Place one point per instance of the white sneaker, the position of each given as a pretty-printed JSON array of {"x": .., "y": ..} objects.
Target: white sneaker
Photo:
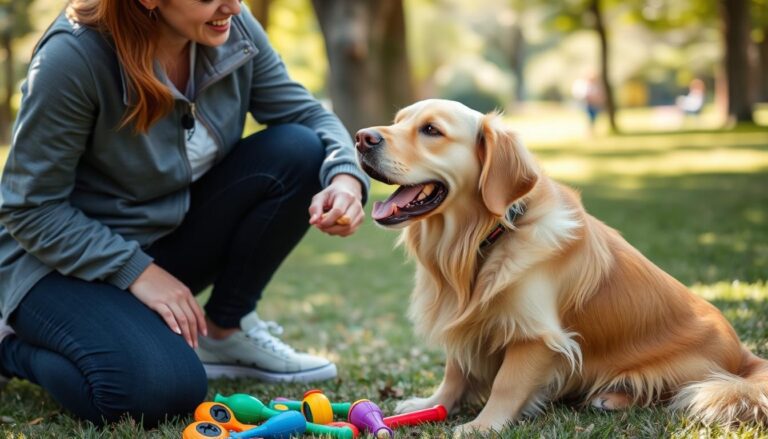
[
  {"x": 5, "y": 331},
  {"x": 255, "y": 352}
]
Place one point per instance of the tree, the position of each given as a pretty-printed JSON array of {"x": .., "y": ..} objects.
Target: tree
[
  {"x": 14, "y": 23},
  {"x": 369, "y": 70},
  {"x": 610, "y": 104},
  {"x": 736, "y": 29},
  {"x": 763, "y": 69},
  {"x": 760, "y": 19}
]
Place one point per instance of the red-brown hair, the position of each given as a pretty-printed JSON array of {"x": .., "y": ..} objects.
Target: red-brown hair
[{"x": 134, "y": 32}]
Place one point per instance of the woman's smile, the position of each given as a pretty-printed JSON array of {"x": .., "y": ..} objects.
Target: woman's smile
[{"x": 221, "y": 25}]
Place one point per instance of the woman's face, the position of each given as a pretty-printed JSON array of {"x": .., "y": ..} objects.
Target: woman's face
[{"x": 206, "y": 22}]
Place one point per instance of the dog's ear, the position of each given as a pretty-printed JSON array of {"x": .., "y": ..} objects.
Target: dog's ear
[{"x": 508, "y": 169}]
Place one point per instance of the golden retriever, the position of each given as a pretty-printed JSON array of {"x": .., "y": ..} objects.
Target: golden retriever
[{"x": 560, "y": 305}]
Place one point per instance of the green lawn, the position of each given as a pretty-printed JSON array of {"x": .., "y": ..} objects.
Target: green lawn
[{"x": 696, "y": 203}]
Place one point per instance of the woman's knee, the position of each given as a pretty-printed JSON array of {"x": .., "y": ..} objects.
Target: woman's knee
[
  {"x": 152, "y": 388},
  {"x": 296, "y": 147}
]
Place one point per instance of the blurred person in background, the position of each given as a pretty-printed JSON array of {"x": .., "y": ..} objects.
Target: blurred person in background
[
  {"x": 589, "y": 92},
  {"x": 692, "y": 103}
]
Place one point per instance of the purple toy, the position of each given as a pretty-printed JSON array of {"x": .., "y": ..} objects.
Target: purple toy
[{"x": 367, "y": 416}]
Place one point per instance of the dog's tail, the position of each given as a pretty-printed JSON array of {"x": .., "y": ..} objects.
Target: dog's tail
[{"x": 726, "y": 399}]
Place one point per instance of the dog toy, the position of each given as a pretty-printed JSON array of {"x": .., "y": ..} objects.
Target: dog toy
[
  {"x": 283, "y": 426},
  {"x": 249, "y": 409},
  {"x": 204, "y": 429},
  {"x": 220, "y": 414},
  {"x": 367, "y": 417},
  {"x": 432, "y": 414},
  {"x": 316, "y": 407},
  {"x": 352, "y": 427},
  {"x": 282, "y": 404}
]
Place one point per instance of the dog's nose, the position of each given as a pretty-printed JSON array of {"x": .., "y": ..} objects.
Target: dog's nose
[{"x": 366, "y": 139}]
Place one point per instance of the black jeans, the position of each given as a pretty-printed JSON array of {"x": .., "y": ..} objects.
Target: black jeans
[{"x": 101, "y": 353}]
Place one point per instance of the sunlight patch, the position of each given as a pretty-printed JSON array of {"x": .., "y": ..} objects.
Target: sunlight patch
[
  {"x": 732, "y": 290},
  {"x": 675, "y": 163},
  {"x": 708, "y": 238},
  {"x": 334, "y": 258}
]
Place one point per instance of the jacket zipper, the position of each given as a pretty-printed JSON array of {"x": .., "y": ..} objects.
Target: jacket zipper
[
  {"x": 183, "y": 137},
  {"x": 249, "y": 53},
  {"x": 192, "y": 106}
]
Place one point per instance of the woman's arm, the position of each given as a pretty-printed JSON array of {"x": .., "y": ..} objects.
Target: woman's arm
[
  {"x": 276, "y": 98},
  {"x": 57, "y": 113}
]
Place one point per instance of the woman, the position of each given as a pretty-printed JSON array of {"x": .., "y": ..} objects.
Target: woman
[{"x": 128, "y": 190}]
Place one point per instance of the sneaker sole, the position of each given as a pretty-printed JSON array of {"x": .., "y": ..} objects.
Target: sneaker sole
[{"x": 214, "y": 371}]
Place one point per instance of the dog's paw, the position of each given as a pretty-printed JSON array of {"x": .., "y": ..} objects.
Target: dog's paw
[
  {"x": 413, "y": 404},
  {"x": 612, "y": 401}
]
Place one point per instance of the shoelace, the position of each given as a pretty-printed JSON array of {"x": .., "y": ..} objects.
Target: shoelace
[{"x": 262, "y": 334}]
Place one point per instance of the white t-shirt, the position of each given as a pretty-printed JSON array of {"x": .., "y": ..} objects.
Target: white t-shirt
[{"x": 201, "y": 150}]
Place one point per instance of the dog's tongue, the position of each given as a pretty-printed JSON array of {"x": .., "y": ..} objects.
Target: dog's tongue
[{"x": 402, "y": 196}]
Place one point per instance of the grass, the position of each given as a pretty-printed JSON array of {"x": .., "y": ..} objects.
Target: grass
[{"x": 696, "y": 203}]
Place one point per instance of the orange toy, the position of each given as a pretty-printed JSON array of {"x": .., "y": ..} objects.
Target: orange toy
[
  {"x": 220, "y": 414},
  {"x": 207, "y": 430}
]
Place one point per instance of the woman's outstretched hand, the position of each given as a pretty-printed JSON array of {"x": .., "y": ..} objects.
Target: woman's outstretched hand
[
  {"x": 170, "y": 298},
  {"x": 338, "y": 209}
]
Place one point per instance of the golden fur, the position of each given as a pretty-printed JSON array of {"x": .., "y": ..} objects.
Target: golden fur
[{"x": 561, "y": 306}]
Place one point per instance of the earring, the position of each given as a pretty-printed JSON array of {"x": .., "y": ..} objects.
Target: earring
[{"x": 153, "y": 14}]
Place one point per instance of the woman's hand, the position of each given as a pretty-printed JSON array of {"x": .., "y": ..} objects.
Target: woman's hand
[
  {"x": 170, "y": 298},
  {"x": 338, "y": 209}
]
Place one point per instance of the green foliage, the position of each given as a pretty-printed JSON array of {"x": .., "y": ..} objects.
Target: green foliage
[
  {"x": 694, "y": 203},
  {"x": 667, "y": 15},
  {"x": 759, "y": 16},
  {"x": 294, "y": 31}
]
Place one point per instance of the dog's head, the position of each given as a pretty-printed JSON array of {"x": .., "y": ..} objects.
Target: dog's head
[{"x": 442, "y": 153}]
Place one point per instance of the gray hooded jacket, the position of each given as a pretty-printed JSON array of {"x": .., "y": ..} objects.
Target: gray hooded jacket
[{"x": 83, "y": 196}]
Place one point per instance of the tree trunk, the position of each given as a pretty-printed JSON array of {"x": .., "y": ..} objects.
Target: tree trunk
[
  {"x": 763, "y": 67},
  {"x": 394, "y": 68},
  {"x": 369, "y": 71},
  {"x": 517, "y": 58},
  {"x": 736, "y": 26},
  {"x": 610, "y": 106},
  {"x": 6, "y": 112}
]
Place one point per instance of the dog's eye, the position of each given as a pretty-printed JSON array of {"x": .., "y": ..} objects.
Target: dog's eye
[{"x": 430, "y": 130}]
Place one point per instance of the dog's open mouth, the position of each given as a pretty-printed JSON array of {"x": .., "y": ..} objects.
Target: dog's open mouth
[{"x": 408, "y": 202}]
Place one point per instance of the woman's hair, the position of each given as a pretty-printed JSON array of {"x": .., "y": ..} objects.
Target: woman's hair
[{"x": 134, "y": 32}]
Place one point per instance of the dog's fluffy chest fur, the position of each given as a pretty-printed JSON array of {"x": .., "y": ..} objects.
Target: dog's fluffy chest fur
[{"x": 475, "y": 306}]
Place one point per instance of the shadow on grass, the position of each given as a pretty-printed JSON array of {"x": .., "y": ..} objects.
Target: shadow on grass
[
  {"x": 739, "y": 128},
  {"x": 655, "y": 146},
  {"x": 698, "y": 227},
  {"x": 645, "y": 153}
]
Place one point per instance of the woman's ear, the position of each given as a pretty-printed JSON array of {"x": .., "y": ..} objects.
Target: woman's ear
[{"x": 508, "y": 169}]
